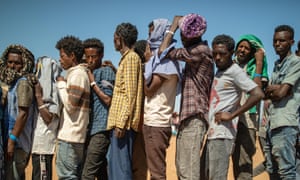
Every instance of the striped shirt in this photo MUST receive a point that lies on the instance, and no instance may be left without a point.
(197, 80)
(75, 97)
(126, 103)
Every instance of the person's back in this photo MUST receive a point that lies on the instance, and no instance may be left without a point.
(125, 111)
(162, 77)
(47, 120)
(196, 84)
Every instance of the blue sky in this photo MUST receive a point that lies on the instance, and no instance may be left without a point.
(38, 24)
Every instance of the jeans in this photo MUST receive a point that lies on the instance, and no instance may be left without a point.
(69, 160)
(15, 168)
(281, 152)
(95, 164)
(243, 152)
(156, 143)
(189, 142)
(120, 156)
(41, 165)
(219, 151)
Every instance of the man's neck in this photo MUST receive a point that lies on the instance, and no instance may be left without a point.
(282, 57)
(124, 49)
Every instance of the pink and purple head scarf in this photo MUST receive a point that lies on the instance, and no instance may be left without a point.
(192, 25)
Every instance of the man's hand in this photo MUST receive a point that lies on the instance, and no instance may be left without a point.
(91, 76)
(257, 80)
(10, 149)
(277, 92)
(223, 116)
(119, 133)
(60, 78)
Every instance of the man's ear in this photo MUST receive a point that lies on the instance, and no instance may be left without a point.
(101, 55)
(74, 58)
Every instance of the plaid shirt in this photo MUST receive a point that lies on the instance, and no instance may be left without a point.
(197, 80)
(126, 103)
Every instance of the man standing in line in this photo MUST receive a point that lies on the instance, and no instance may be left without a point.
(224, 108)
(196, 85)
(284, 93)
(18, 62)
(160, 94)
(74, 92)
(249, 55)
(95, 164)
(125, 110)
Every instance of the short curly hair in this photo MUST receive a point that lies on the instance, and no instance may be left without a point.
(128, 32)
(94, 43)
(227, 40)
(71, 44)
(285, 28)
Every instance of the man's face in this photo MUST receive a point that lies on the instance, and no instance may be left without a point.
(243, 52)
(65, 61)
(147, 53)
(282, 43)
(187, 42)
(93, 58)
(222, 56)
(14, 61)
(117, 42)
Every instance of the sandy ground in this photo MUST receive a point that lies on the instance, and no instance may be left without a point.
(171, 171)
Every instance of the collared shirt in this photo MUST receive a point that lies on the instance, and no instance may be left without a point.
(126, 103)
(197, 80)
(99, 110)
(285, 111)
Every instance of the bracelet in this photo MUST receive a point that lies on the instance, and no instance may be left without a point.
(256, 75)
(13, 137)
(42, 106)
(93, 83)
(171, 32)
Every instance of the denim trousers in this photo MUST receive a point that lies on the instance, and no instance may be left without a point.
(69, 159)
(189, 141)
(95, 164)
(156, 143)
(41, 166)
(243, 152)
(280, 152)
(120, 156)
(15, 168)
(219, 151)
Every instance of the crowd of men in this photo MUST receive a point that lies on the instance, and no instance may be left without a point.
(107, 123)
